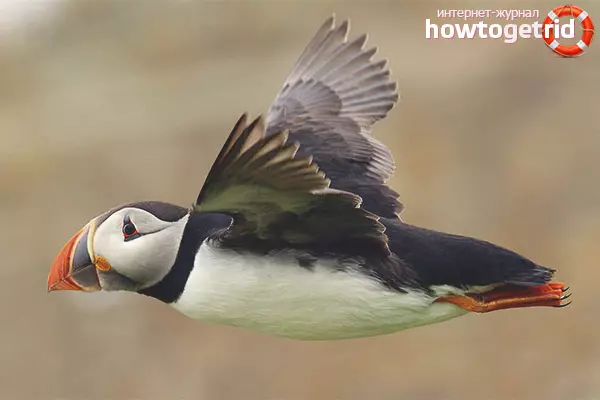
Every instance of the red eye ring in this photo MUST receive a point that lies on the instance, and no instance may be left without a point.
(129, 230)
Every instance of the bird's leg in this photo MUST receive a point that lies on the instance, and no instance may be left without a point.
(549, 295)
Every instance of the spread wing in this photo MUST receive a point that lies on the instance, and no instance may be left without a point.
(280, 200)
(329, 102)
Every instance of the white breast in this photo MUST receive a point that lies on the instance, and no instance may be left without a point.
(274, 295)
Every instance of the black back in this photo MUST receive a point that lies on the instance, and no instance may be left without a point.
(438, 258)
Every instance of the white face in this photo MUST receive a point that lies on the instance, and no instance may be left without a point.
(139, 247)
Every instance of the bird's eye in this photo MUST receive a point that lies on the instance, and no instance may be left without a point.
(130, 232)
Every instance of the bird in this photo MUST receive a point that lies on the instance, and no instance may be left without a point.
(295, 231)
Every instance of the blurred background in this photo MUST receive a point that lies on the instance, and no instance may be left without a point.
(105, 102)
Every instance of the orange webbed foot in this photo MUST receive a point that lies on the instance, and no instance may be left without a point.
(552, 294)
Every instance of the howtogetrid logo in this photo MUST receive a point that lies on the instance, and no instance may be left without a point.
(550, 30)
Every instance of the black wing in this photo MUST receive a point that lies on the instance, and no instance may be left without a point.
(329, 102)
(279, 200)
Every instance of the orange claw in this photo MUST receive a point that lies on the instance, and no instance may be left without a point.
(552, 294)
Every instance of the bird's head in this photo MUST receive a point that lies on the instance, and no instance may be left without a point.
(131, 247)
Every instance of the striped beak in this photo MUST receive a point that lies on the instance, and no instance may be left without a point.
(73, 268)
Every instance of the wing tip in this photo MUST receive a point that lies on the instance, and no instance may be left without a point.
(345, 25)
(242, 121)
(330, 21)
(347, 69)
(259, 123)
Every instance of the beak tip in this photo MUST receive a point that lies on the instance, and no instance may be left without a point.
(58, 278)
(69, 262)
(50, 286)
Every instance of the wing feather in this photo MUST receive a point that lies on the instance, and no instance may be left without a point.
(281, 200)
(329, 102)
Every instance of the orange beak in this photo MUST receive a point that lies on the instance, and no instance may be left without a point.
(73, 268)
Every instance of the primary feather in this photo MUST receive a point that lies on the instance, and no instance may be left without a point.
(329, 102)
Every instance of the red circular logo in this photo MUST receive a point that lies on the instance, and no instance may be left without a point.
(573, 12)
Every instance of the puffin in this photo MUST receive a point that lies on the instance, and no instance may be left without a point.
(295, 231)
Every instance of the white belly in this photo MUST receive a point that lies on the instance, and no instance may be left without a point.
(275, 295)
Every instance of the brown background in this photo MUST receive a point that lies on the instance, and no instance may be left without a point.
(103, 102)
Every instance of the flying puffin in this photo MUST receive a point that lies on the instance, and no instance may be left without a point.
(295, 231)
